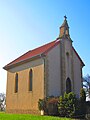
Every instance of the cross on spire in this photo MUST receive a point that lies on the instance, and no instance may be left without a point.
(65, 17)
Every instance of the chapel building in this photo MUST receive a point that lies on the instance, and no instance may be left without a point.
(49, 70)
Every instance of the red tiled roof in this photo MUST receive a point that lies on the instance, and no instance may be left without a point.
(38, 51)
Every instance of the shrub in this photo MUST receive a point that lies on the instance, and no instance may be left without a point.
(82, 95)
(61, 107)
(70, 106)
(41, 104)
(67, 105)
(51, 106)
(82, 102)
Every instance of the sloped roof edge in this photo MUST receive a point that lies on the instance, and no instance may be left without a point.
(32, 54)
(78, 56)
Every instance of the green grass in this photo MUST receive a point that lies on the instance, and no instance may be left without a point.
(5, 116)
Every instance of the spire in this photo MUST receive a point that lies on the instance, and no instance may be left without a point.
(64, 29)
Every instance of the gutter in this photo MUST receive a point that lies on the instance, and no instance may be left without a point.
(43, 56)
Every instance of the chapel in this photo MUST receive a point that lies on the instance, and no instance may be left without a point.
(49, 70)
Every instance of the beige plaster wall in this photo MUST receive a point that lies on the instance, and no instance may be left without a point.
(77, 74)
(24, 100)
(54, 74)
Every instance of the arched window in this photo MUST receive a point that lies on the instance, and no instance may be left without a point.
(30, 79)
(68, 85)
(16, 83)
(67, 64)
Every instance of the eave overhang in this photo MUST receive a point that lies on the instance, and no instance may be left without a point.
(7, 67)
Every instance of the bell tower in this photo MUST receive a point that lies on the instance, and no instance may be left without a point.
(64, 29)
(66, 58)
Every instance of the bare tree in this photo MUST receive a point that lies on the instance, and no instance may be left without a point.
(2, 101)
(86, 84)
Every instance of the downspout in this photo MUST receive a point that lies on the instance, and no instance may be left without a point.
(43, 57)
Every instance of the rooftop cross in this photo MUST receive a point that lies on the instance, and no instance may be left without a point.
(65, 17)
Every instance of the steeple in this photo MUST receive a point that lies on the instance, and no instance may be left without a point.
(64, 29)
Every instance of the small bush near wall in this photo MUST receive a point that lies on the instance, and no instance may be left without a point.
(67, 105)
(51, 104)
(41, 104)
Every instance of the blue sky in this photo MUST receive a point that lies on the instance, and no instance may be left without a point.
(27, 24)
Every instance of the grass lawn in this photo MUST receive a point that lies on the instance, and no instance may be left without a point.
(5, 116)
